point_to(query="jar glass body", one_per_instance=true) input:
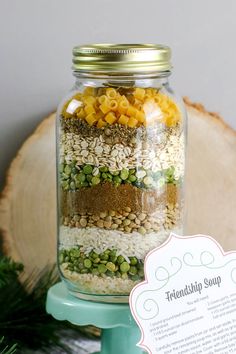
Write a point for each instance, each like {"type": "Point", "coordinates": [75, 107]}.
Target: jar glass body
{"type": "Point", "coordinates": [121, 162]}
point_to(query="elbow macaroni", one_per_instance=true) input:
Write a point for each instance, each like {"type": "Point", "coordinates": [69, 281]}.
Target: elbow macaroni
{"type": "Point", "coordinates": [106, 106]}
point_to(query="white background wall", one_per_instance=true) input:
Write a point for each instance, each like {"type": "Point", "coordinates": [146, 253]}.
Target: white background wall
{"type": "Point", "coordinates": [36, 38]}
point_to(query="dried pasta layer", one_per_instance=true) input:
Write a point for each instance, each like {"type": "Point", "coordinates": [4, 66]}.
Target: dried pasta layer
{"type": "Point", "coordinates": [134, 107]}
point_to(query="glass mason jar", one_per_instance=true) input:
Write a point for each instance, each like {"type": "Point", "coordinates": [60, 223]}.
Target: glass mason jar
{"type": "Point", "coordinates": [121, 160]}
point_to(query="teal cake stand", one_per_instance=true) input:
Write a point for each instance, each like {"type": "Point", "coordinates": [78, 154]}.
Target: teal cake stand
{"type": "Point", "coordinates": [120, 334]}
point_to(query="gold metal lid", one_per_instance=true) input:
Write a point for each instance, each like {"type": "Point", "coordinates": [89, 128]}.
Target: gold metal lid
{"type": "Point", "coordinates": [121, 58]}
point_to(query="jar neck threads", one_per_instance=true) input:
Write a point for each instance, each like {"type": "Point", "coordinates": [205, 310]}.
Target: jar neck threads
{"type": "Point", "coordinates": [124, 81]}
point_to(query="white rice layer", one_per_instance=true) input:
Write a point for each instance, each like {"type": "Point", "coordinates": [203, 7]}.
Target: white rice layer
{"type": "Point", "coordinates": [127, 244]}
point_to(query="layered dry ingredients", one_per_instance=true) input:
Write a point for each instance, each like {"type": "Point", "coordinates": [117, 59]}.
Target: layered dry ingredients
{"type": "Point", "coordinates": [121, 172]}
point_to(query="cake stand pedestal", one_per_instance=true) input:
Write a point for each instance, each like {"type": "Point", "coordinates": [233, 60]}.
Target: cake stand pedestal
{"type": "Point", "coordinates": [120, 334]}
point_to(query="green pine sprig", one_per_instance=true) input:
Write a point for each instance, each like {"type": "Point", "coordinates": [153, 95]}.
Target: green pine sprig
{"type": "Point", "coordinates": [9, 270]}
{"type": "Point", "coordinates": [23, 318]}
{"type": "Point", "coordinates": [5, 349]}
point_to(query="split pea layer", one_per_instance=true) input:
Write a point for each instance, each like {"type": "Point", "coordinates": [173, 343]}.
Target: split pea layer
{"type": "Point", "coordinates": [103, 197]}
{"type": "Point", "coordinates": [104, 264]}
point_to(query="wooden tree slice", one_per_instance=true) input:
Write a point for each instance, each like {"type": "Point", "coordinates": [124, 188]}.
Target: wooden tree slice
{"type": "Point", "coordinates": [28, 204]}
{"type": "Point", "coordinates": [210, 181]}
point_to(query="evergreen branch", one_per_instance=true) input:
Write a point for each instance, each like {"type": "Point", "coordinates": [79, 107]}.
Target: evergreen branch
{"type": "Point", "coordinates": [9, 270]}
{"type": "Point", "coordinates": [5, 350]}
{"type": "Point", "coordinates": [23, 319]}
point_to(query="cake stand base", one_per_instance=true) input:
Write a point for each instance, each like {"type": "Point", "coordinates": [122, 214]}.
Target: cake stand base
{"type": "Point", "coordinates": [120, 334]}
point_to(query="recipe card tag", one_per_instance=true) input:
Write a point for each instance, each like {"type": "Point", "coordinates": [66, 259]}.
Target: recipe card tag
{"type": "Point", "coordinates": [187, 303]}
